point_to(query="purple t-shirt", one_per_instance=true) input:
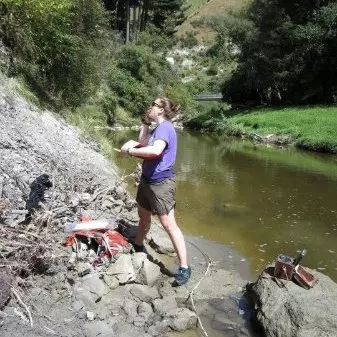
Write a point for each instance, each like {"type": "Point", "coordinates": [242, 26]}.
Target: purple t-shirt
{"type": "Point", "coordinates": [160, 168]}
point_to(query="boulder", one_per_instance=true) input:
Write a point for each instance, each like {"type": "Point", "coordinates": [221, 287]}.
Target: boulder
{"type": "Point", "coordinates": [182, 319]}
{"type": "Point", "coordinates": [291, 310]}
{"type": "Point", "coordinates": [122, 269]}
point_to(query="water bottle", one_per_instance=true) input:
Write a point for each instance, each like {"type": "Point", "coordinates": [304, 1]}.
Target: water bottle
{"type": "Point", "coordinates": [299, 257]}
{"type": "Point", "coordinates": [107, 224]}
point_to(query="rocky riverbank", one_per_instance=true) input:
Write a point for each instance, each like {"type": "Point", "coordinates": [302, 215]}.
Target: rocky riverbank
{"type": "Point", "coordinates": [50, 176]}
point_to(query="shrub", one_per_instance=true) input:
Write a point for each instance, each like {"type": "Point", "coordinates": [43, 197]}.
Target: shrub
{"type": "Point", "coordinates": [154, 40]}
{"type": "Point", "coordinates": [139, 75]}
{"type": "Point", "coordinates": [188, 40]}
{"type": "Point", "coordinates": [55, 43]}
{"type": "Point", "coordinates": [132, 94]}
{"type": "Point", "coordinates": [212, 70]}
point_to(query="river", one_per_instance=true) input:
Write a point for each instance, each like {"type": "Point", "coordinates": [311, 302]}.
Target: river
{"type": "Point", "coordinates": [261, 201]}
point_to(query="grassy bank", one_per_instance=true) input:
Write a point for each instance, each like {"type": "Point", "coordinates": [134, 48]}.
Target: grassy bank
{"type": "Point", "coordinates": [311, 128]}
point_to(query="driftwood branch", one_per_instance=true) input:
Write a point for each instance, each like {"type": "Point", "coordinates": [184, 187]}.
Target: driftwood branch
{"type": "Point", "coordinates": [24, 305]}
{"type": "Point", "coordinates": [190, 296]}
{"type": "Point", "coordinates": [1, 185]}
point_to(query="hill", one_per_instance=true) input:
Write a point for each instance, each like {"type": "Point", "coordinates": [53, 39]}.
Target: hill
{"type": "Point", "coordinates": [200, 9]}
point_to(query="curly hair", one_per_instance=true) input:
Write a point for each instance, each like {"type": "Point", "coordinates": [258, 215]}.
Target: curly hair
{"type": "Point", "coordinates": [171, 109]}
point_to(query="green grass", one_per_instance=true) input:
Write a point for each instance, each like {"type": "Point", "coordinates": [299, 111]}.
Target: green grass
{"type": "Point", "coordinates": [312, 128]}
{"type": "Point", "coordinates": [25, 91]}
{"type": "Point", "coordinates": [85, 117]}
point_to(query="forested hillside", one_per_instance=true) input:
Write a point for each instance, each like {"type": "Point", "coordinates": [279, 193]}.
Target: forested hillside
{"type": "Point", "coordinates": [100, 62]}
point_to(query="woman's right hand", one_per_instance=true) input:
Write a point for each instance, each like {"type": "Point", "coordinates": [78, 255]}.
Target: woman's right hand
{"type": "Point", "coordinates": [146, 118]}
{"type": "Point", "coordinates": [128, 145]}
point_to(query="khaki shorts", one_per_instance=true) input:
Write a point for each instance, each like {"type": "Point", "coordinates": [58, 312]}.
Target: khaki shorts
{"type": "Point", "coordinates": [157, 198]}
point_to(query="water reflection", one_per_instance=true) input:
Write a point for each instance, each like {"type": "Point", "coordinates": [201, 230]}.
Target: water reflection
{"type": "Point", "coordinates": [262, 201]}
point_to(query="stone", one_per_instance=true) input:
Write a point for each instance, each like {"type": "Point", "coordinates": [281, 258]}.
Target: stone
{"type": "Point", "coordinates": [130, 308]}
{"type": "Point", "coordinates": [122, 269]}
{"type": "Point", "coordinates": [138, 260]}
{"type": "Point", "coordinates": [139, 321]}
{"type": "Point", "coordinates": [292, 310]}
{"type": "Point", "coordinates": [159, 328]}
{"type": "Point", "coordinates": [78, 305]}
{"type": "Point", "coordinates": [151, 272]}
{"type": "Point", "coordinates": [144, 292]}
{"type": "Point", "coordinates": [163, 305]}
{"type": "Point", "coordinates": [182, 319]}
{"type": "Point", "coordinates": [94, 285]}
{"type": "Point", "coordinates": [111, 281]}
{"type": "Point", "coordinates": [98, 328]}
{"type": "Point", "coordinates": [145, 310]}
{"type": "Point", "coordinates": [84, 296]}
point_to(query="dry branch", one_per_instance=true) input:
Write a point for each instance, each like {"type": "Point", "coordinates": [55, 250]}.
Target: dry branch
{"type": "Point", "coordinates": [24, 305]}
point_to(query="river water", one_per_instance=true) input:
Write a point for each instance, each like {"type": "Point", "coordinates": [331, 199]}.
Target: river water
{"type": "Point", "coordinates": [261, 201]}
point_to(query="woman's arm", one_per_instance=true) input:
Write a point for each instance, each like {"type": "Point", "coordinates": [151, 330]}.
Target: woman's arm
{"type": "Point", "coordinates": [143, 134]}
{"type": "Point", "coordinates": [149, 151]}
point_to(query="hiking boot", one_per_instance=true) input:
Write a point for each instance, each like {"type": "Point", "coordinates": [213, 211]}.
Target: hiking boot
{"type": "Point", "coordinates": [182, 276]}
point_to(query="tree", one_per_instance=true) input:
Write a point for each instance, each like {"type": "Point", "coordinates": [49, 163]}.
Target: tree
{"type": "Point", "coordinates": [280, 60]}
{"type": "Point", "coordinates": [167, 15]}
{"type": "Point", "coordinates": [134, 16]}
{"type": "Point", "coordinates": [54, 44]}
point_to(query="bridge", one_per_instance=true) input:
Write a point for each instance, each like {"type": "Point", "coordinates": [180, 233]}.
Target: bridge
{"type": "Point", "coordinates": [209, 97]}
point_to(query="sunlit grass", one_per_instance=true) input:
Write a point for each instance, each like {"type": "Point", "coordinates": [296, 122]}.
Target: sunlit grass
{"type": "Point", "coordinates": [310, 127]}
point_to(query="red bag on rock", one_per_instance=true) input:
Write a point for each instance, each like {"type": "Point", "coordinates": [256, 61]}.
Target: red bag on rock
{"type": "Point", "coordinates": [287, 268]}
{"type": "Point", "coordinates": [303, 278]}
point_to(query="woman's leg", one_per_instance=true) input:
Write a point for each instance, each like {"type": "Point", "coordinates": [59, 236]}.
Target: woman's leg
{"type": "Point", "coordinates": [169, 223]}
{"type": "Point", "coordinates": [143, 225]}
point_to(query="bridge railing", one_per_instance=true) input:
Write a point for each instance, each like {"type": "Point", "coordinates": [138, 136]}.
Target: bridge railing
{"type": "Point", "coordinates": [209, 97]}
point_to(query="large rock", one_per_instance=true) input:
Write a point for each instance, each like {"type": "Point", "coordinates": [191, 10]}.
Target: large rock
{"type": "Point", "coordinates": [294, 311]}
{"type": "Point", "coordinates": [182, 319]}
{"type": "Point", "coordinates": [122, 269]}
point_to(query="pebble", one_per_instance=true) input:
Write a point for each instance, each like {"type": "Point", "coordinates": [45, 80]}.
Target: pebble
{"type": "Point", "coordinates": [90, 316]}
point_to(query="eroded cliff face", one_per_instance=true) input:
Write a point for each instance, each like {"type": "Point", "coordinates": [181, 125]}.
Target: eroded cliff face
{"type": "Point", "coordinates": [34, 142]}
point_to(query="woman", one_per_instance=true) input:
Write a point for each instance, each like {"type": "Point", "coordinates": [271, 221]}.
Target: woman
{"type": "Point", "coordinates": [156, 191]}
